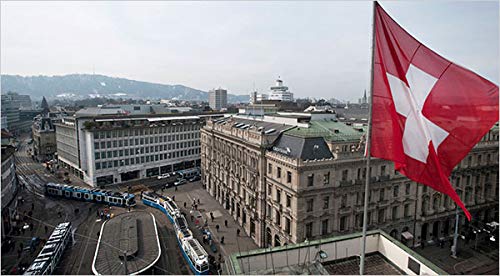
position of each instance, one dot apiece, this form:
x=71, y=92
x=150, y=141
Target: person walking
x=237, y=232
x=185, y=204
x=46, y=229
x=217, y=227
x=222, y=240
x=225, y=223
x=176, y=188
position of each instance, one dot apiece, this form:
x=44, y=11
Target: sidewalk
x=232, y=243
x=468, y=261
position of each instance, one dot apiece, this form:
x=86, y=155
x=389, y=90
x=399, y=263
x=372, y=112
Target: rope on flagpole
x=368, y=154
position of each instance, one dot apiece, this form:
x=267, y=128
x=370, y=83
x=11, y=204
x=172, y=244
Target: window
x=97, y=166
x=324, y=227
x=310, y=180
x=344, y=175
x=395, y=213
x=381, y=215
x=278, y=196
x=479, y=159
x=288, y=177
x=269, y=189
x=343, y=201
x=326, y=202
x=287, y=225
x=359, y=220
x=381, y=194
x=326, y=178
x=396, y=191
x=97, y=155
x=310, y=205
x=269, y=168
x=309, y=229
x=407, y=210
x=408, y=187
x=343, y=223
x=278, y=218
x=96, y=145
x=288, y=201
x=278, y=172
x=382, y=170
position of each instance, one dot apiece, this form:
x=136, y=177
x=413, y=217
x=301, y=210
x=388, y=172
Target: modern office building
x=217, y=99
x=288, y=178
x=279, y=92
x=108, y=145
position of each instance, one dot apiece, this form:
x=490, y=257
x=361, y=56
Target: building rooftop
x=252, y=123
x=133, y=236
x=330, y=130
x=304, y=148
x=375, y=264
x=335, y=255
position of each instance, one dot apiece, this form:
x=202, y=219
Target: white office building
x=103, y=148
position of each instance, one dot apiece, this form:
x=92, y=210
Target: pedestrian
x=59, y=213
x=222, y=240
x=196, y=207
x=199, y=201
x=212, y=215
x=98, y=233
x=21, y=246
x=176, y=188
x=46, y=229
x=90, y=210
x=97, y=213
x=31, y=226
x=185, y=204
x=220, y=258
x=217, y=227
x=192, y=217
x=225, y=223
x=173, y=198
x=237, y=232
x=32, y=206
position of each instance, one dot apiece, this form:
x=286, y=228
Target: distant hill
x=79, y=86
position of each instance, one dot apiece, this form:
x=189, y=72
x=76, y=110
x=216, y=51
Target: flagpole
x=368, y=155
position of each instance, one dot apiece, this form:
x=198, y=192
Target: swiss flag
x=427, y=112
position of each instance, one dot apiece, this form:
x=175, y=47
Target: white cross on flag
x=427, y=112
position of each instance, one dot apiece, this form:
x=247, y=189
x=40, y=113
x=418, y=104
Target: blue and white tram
x=163, y=203
x=91, y=195
x=188, y=173
x=196, y=256
x=51, y=253
x=193, y=252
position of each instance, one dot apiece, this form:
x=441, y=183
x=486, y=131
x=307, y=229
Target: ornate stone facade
x=282, y=194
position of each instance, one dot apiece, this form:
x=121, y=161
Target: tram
x=91, y=195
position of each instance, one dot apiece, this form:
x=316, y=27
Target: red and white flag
x=427, y=112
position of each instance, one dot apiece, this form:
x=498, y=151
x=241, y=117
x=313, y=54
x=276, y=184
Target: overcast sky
x=320, y=49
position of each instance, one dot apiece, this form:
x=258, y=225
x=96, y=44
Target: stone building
x=9, y=187
x=305, y=180
x=44, y=138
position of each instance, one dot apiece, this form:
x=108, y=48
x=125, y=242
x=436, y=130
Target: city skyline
x=319, y=49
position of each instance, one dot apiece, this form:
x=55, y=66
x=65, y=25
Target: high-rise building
x=279, y=92
x=286, y=179
x=217, y=99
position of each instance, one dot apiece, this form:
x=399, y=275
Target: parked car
x=195, y=178
x=165, y=175
x=180, y=181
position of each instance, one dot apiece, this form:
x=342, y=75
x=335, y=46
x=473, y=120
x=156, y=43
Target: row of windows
x=144, y=131
x=142, y=159
x=142, y=150
x=150, y=140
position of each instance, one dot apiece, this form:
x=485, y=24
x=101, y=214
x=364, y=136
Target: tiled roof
x=330, y=130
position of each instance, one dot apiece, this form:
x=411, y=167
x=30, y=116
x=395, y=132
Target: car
x=165, y=175
x=180, y=181
x=195, y=178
